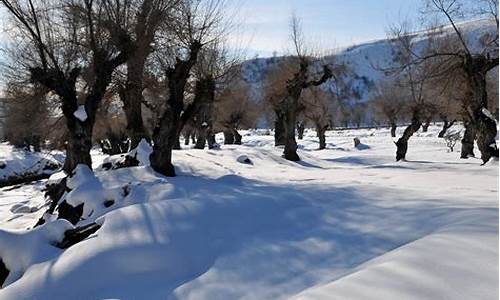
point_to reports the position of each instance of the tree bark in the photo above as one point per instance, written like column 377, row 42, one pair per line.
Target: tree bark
column 393, row 129
column 446, row 125
column 476, row 69
column 468, row 141
column 289, row 122
column 131, row 97
column 166, row 133
column 402, row 143
column 425, row 126
column 321, row 135
column 237, row 137
column 279, row 130
column 300, row 130
column 228, row 137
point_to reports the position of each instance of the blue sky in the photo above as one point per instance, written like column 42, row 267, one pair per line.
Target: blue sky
column 326, row 23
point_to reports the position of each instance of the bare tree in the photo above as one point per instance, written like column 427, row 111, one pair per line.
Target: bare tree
column 149, row 15
column 77, row 45
column 300, row 81
column 235, row 110
column 318, row 108
column 26, row 109
column 475, row 67
column 196, row 24
column 388, row 100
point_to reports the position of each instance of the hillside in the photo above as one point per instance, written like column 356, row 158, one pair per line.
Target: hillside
column 365, row 60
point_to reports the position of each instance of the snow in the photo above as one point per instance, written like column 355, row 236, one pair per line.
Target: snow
column 15, row 163
column 80, row 113
column 341, row 224
column 20, row 250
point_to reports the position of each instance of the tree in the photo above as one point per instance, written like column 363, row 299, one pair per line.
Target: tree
column 196, row 24
column 72, row 49
column 149, row 14
column 318, row 109
column 294, row 86
column 415, row 79
column 27, row 115
column 388, row 101
column 235, row 110
column 475, row 66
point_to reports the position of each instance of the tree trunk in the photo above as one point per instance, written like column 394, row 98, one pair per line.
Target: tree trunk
column 201, row 137
column 166, row 134
column 486, row 134
column 425, row 126
column 402, row 143
column 279, row 130
column 446, row 125
column 321, row 135
column 237, row 137
column 468, row 141
column 289, row 123
column 393, row 129
column 228, row 137
column 131, row 96
column 78, row 144
column 486, row 128
column 165, row 138
column 300, row 130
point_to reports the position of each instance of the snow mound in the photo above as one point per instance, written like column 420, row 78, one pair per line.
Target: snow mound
column 142, row 152
column 86, row 189
column 16, row 164
column 20, row 250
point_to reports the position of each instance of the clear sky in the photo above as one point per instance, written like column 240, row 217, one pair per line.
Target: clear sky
column 326, row 23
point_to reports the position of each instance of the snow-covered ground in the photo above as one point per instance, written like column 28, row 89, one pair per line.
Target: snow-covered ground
column 343, row 223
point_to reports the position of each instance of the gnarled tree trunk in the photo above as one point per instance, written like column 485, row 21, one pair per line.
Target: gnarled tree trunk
column 402, row 143
column 446, row 125
column 166, row 133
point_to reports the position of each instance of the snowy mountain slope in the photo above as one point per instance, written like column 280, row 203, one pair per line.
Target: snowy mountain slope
column 275, row 229
column 365, row 60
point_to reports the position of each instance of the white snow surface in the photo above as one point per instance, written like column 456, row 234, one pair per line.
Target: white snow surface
column 18, row 162
column 81, row 113
column 340, row 224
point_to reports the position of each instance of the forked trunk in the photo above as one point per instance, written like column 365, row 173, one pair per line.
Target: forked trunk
column 446, row 125
column 402, row 143
column 485, row 126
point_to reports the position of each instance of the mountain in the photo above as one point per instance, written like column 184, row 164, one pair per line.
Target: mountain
column 365, row 60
